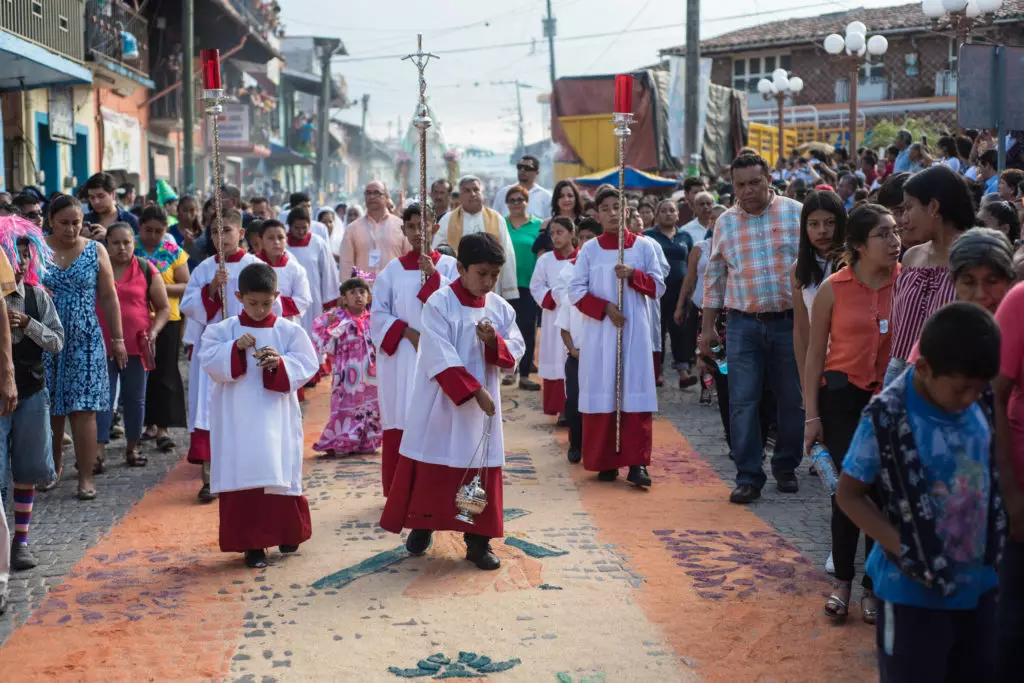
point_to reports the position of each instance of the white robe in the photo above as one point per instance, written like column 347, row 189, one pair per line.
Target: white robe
column 437, row 431
column 395, row 299
column 657, row 336
column 255, row 433
column 322, row 272
column 193, row 309
column 552, row 350
column 595, row 274
column 567, row 317
column 507, row 286
column 293, row 283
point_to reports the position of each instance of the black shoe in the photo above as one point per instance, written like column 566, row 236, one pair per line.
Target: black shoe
column 21, row 557
column 787, row 483
column 3, row 601
column 607, row 475
column 286, row 549
column 638, row 475
column 478, row 551
column 255, row 559
column 419, row 541
column 744, row 493
column 205, row 496
column 562, row 420
column 575, row 455
column 527, row 384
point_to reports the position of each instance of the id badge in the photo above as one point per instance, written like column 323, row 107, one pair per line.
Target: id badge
column 374, row 260
column 883, row 326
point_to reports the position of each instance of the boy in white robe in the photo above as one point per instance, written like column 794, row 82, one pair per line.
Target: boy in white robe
column 636, row 227
column 321, row 269
column 551, row 367
column 257, row 361
column 399, row 294
column 202, row 305
column 569, row 322
column 468, row 335
column 292, row 283
column 594, row 291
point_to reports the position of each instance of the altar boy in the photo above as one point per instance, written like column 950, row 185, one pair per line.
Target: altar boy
column 257, row 361
column 468, row 335
column 594, row 291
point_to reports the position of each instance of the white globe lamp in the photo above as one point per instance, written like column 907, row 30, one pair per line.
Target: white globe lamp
column 856, row 27
column 954, row 5
column 834, row 44
column 972, row 9
column 854, row 42
column 933, row 9
column 764, row 86
column 796, row 84
column 877, row 45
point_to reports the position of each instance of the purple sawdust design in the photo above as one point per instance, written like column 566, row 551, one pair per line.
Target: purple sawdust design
column 735, row 564
column 683, row 464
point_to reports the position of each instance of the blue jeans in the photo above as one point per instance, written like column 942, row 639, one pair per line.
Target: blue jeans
column 758, row 352
column 133, row 397
column 26, row 454
column 893, row 370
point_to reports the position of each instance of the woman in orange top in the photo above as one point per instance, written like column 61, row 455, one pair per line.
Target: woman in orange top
column 845, row 365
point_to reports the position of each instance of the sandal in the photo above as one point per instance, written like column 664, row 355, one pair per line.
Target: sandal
column 837, row 607
column 165, row 443
column 100, row 466
column 86, row 495
column 135, row 458
column 869, row 607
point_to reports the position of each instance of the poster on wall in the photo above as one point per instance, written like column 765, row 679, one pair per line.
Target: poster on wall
column 122, row 142
column 233, row 127
column 62, row 115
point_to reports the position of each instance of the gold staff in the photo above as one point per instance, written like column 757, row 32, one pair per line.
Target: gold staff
column 213, row 96
column 623, row 116
column 422, row 122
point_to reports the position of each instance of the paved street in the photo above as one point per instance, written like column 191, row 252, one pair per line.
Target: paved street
column 601, row 582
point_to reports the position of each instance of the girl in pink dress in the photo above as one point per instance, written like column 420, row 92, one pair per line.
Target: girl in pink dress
column 343, row 335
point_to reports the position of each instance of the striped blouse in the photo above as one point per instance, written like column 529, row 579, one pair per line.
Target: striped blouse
column 917, row 294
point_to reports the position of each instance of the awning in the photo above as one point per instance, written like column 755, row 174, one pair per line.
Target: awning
column 286, row 156
column 28, row 66
column 308, row 83
column 635, row 180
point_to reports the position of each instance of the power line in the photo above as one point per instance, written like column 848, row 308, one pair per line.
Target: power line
column 592, row 36
column 616, row 39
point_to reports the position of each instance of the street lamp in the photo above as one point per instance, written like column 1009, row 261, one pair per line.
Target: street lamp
column 781, row 86
column 858, row 50
column 960, row 16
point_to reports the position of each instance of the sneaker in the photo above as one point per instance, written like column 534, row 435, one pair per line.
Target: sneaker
column 527, row 384
column 256, row 559
column 830, row 566
column 21, row 557
column 575, row 455
column 744, row 494
column 638, row 475
column 508, row 380
column 419, row 541
column 288, row 549
column 787, row 483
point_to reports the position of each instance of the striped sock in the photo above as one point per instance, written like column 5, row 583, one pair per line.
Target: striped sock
column 24, row 496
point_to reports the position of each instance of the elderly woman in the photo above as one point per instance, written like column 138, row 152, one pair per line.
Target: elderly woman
column 523, row 229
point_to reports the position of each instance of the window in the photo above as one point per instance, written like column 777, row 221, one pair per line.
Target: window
column 747, row 71
column 62, row 21
column 954, row 55
column 872, row 73
column 37, row 8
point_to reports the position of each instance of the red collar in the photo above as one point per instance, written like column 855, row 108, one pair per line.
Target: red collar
column 610, row 240
column 304, row 242
column 559, row 257
column 246, row 321
column 281, row 262
column 234, row 258
column 411, row 260
column 573, row 261
column 465, row 298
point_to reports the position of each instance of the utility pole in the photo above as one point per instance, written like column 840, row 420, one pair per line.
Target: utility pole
column 326, row 48
column 549, row 33
column 521, row 140
column 692, row 83
column 188, row 97
column 364, row 144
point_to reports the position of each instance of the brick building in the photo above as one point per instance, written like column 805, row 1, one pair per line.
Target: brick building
column 915, row 79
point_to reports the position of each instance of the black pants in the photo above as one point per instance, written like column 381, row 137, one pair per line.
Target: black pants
column 766, row 411
column 690, row 328
column 572, row 402
column 165, row 393
column 526, row 318
column 1011, row 612
column 682, row 355
column 918, row 645
column 840, row 411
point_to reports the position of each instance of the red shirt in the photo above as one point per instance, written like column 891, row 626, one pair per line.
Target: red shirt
column 133, row 295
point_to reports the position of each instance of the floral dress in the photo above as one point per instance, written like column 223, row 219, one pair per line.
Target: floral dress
column 354, row 424
column 77, row 377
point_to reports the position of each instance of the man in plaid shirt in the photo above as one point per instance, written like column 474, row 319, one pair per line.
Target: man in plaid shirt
column 755, row 243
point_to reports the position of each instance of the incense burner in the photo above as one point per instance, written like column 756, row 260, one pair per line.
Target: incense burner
column 471, row 500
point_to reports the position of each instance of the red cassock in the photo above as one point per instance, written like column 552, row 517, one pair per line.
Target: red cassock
column 554, row 396
column 389, row 457
column 599, row 441
column 252, row 519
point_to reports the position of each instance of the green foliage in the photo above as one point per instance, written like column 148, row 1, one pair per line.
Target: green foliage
column 884, row 132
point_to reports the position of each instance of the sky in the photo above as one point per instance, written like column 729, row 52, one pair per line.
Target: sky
column 463, row 88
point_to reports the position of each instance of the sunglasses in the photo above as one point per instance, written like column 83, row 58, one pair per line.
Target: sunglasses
column 526, row 167
column 32, row 215
column 516, row 200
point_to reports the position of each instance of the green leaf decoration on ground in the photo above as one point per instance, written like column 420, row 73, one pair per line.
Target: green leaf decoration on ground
column 467, row 665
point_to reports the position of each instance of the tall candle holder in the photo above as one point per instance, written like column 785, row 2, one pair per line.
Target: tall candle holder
column 623, row 118
column 213, row 99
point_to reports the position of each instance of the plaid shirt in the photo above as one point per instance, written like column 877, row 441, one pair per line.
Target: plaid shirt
column 748, row 269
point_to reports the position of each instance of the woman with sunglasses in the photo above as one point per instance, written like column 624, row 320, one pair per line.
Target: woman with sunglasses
column 523, row 230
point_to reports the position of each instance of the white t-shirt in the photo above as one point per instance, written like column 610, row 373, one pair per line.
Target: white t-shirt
column 695, row 230
column 539, row 204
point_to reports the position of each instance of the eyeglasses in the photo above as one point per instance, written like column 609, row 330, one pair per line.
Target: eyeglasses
column 888, row 235
column 526, row 167
column 32, row 215
column 516, row 200
column 374, row 193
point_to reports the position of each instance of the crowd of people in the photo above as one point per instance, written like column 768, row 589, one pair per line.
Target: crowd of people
column 858, row 312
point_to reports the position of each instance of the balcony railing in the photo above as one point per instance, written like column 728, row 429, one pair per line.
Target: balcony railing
column 945, row 83
column 117, row 33
column 868, row 90
column 169, row 110
column 53, row 24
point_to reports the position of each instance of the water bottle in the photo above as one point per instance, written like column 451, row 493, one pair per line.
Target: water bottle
column 719, row 355
column 825, row 468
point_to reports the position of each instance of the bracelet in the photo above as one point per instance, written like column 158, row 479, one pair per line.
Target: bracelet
column 115, row 340
column 813, row 419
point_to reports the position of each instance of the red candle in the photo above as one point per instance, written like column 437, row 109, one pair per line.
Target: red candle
column 624, row 94
column 210, row 59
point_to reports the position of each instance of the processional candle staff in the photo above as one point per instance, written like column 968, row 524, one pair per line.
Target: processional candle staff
column 213, row 96
column 623, row 117
column 422, row 122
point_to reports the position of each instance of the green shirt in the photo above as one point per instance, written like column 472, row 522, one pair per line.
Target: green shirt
column 523, row 238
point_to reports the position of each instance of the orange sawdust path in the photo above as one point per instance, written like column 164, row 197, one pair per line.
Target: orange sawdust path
column 155, row 599
column 734, row 599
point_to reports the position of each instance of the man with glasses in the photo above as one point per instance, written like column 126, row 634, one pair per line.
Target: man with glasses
column 29, row 208
column 540, row 199
column 373, row 240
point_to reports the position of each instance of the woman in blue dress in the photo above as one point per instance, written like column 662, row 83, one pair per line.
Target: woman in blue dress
column 77, row 377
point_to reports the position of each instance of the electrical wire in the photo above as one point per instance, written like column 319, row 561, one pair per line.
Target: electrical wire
column 625, row 28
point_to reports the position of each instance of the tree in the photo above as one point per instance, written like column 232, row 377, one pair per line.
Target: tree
column 884, row 133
